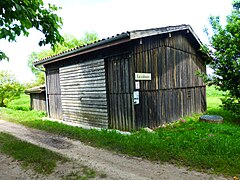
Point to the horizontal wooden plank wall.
(83, 88)
(54, 94)
(120, 92)
(38, 101)
(175, 90)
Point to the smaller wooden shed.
(136, 79)
(37, 97)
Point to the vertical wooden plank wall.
(38, 101)
(83, 88)
(120, 92)
(54, 94)
(175, 90)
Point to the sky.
(111, 17)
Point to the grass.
(31, 156)
(213, 107)
(212, 148)
(23, 103)
(83, 174)
(20, 116)
(212, 92)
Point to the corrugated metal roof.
(129, 35)
(84, 47)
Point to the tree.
(225, 57)
(17, 17)
(9, 88)
(69, 42)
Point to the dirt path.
(115, 166)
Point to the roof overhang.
(35, 90)
(116, 40)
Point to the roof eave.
(82, 49)
(35, 90)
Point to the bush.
(213, 91)
(10, 88)
(231, 104)
(23, 103)
(224, 57)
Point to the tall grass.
(20, 116)
(23, 103)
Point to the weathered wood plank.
(85, 121)
(85, 109)
(54, 94)
(120, 87)
(84, 95)
(83, 89)
(79, 76)
(38, 101)
(173, 63)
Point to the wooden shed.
(37, 97)
(136, 79)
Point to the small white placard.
(136, 97)
(137, 85)
(143, 76)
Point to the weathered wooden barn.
(37, 97)
(136, 79)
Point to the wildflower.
(182, 120)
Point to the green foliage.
(225, 57)
(33, 57)
(69, 42)
(21, 116)
(17, 17)
(231, 104)
(39, 159)
(3, 56)
(212, 91)
(10, 88)
(40, 79)
(23, 103)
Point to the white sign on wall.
(137, 85)
(143, 76)
(136, 97)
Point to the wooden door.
(120, 93)
(83, 88)
(54, 94)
